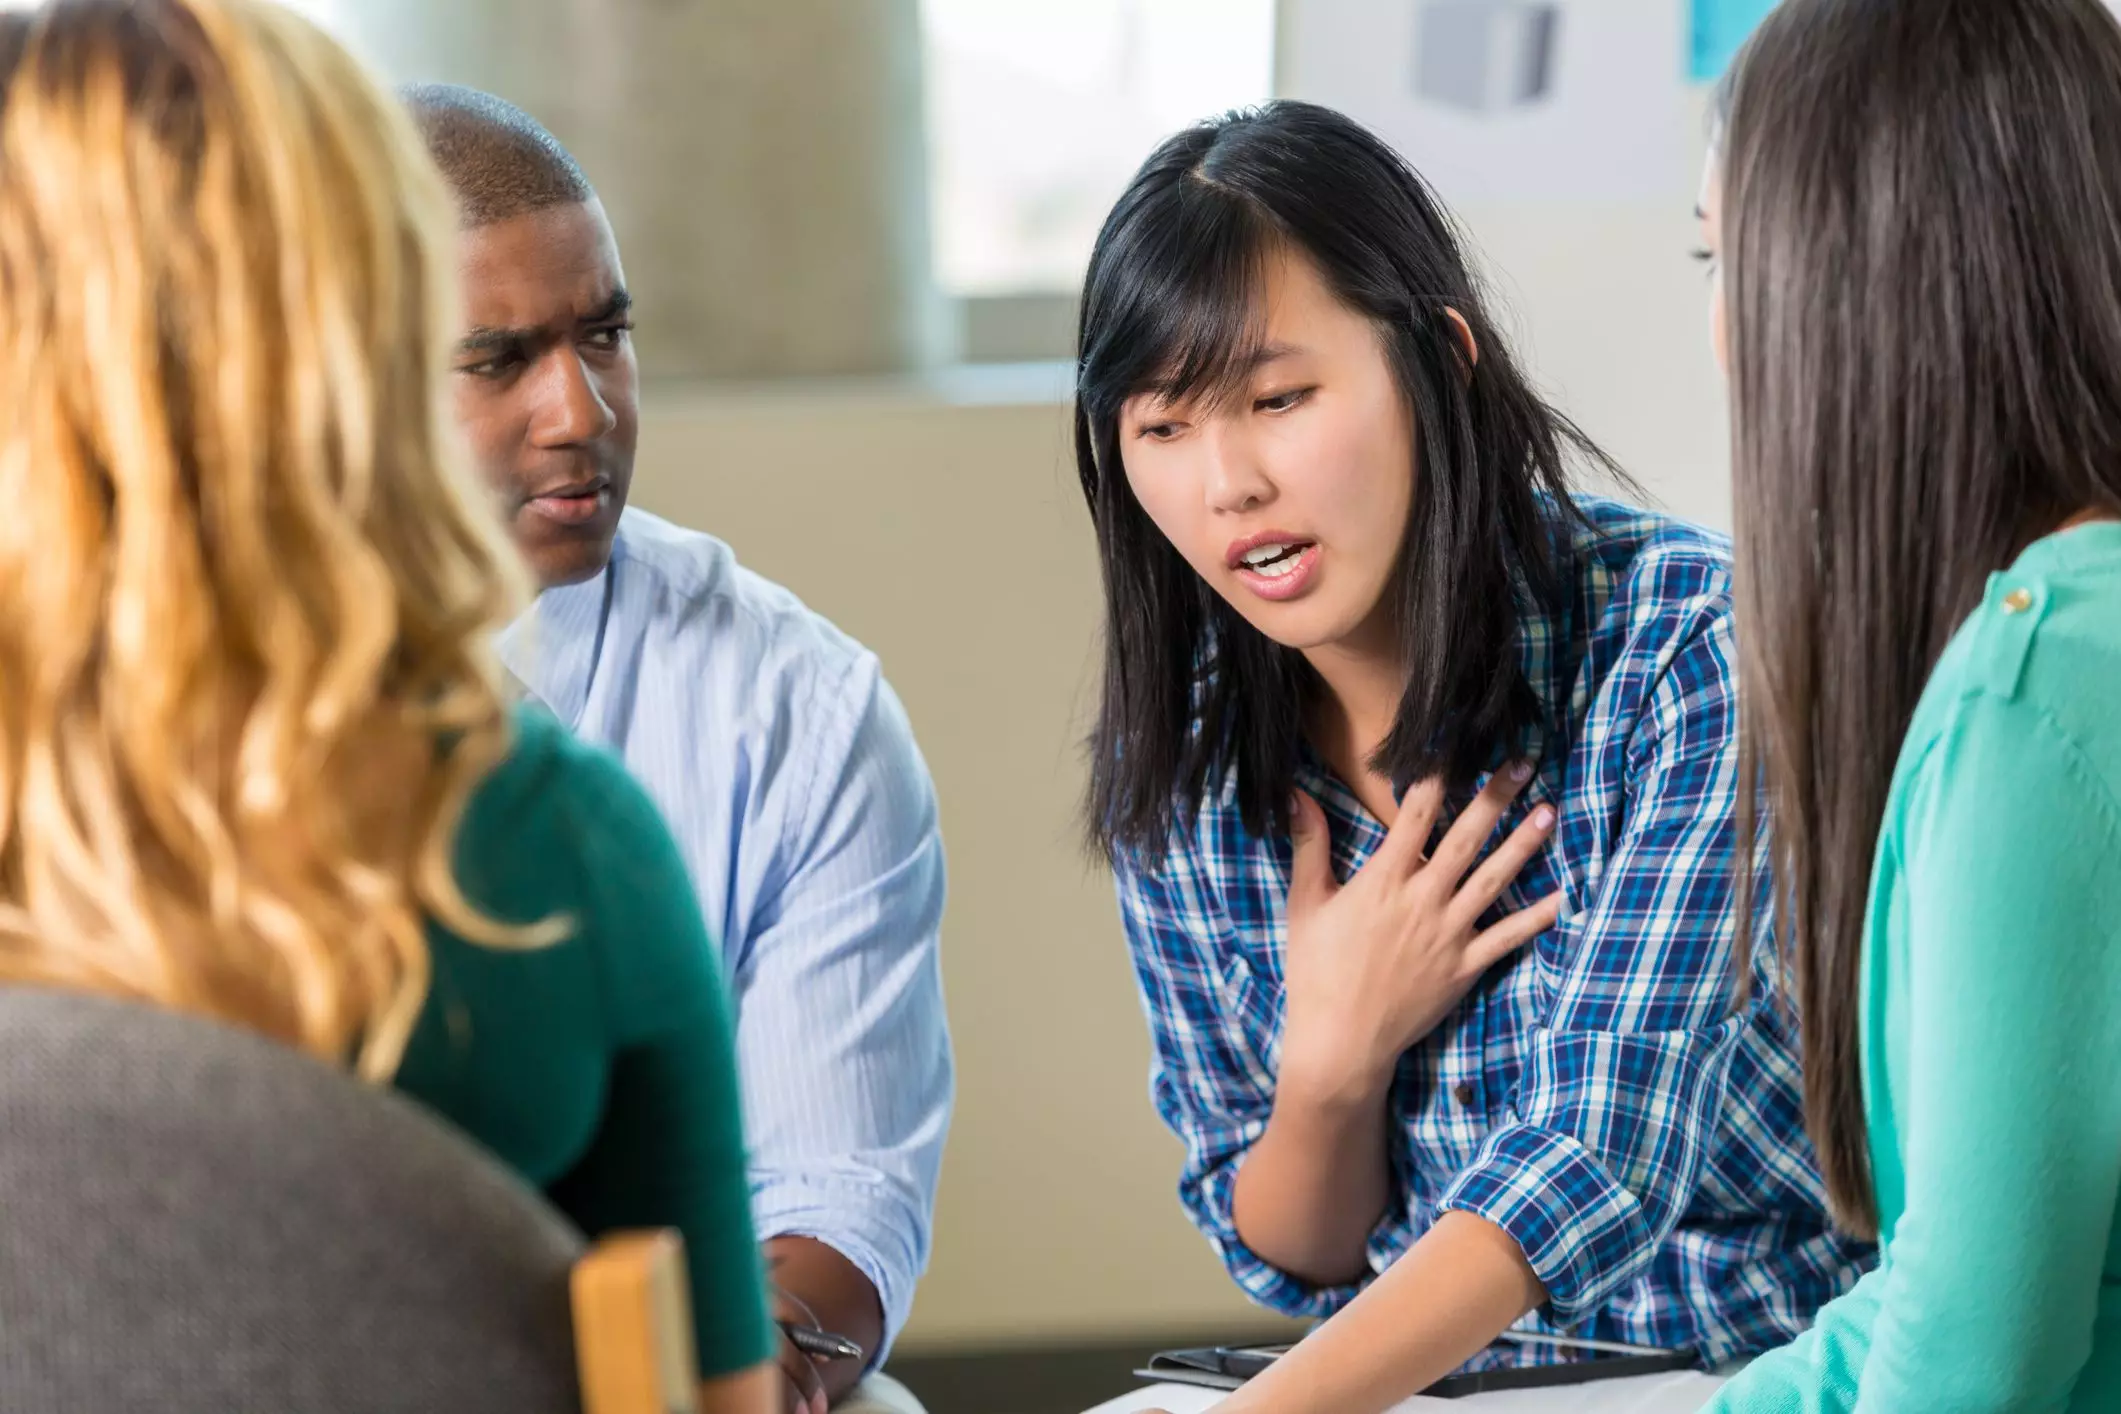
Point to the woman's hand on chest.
(1374, 964)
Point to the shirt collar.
(552, 649)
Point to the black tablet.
(1227, 1367)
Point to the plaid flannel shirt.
(1596, 1096)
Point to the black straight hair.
(1922, 253)
(1172, 305)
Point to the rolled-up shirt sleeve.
(841, 1036)
(1210, 1083)
(1622, 1082)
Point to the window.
(1040, 110)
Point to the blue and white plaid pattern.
(1596, 1096)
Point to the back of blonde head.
(246, 588)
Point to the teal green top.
(602, 1068)
(1991, 1026)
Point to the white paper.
(1651, 1394)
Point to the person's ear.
(1467, 344)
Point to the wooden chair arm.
(633, 1326)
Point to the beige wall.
(949, 535)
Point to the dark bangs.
(1192, 694)
(1188, 318)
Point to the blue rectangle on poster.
(1719, 28)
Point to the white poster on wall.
(1507, 100)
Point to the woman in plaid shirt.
(1418, 775)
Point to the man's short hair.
(500, 160)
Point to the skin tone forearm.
(815, 1285)
(1460, 1286)
(1311, 1190)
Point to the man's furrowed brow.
(615, 308)
(484, 339)
(494, 339)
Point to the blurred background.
(854, 229)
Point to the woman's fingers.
(1409, 833)
(1461, 844)
(1501, 867)
(1512, 933)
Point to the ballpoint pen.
(823, 1344)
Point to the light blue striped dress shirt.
(787, 770)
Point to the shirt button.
(2017, 601)
(1464, 1093)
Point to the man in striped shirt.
(779, 755)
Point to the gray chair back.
(196, 1220)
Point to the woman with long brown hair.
(1917, 209)
(255, 761)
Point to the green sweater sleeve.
(1986, 1295)
(670, 1150)
(2012, 1101)
(1817, 1372)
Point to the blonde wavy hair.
(247, 585)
